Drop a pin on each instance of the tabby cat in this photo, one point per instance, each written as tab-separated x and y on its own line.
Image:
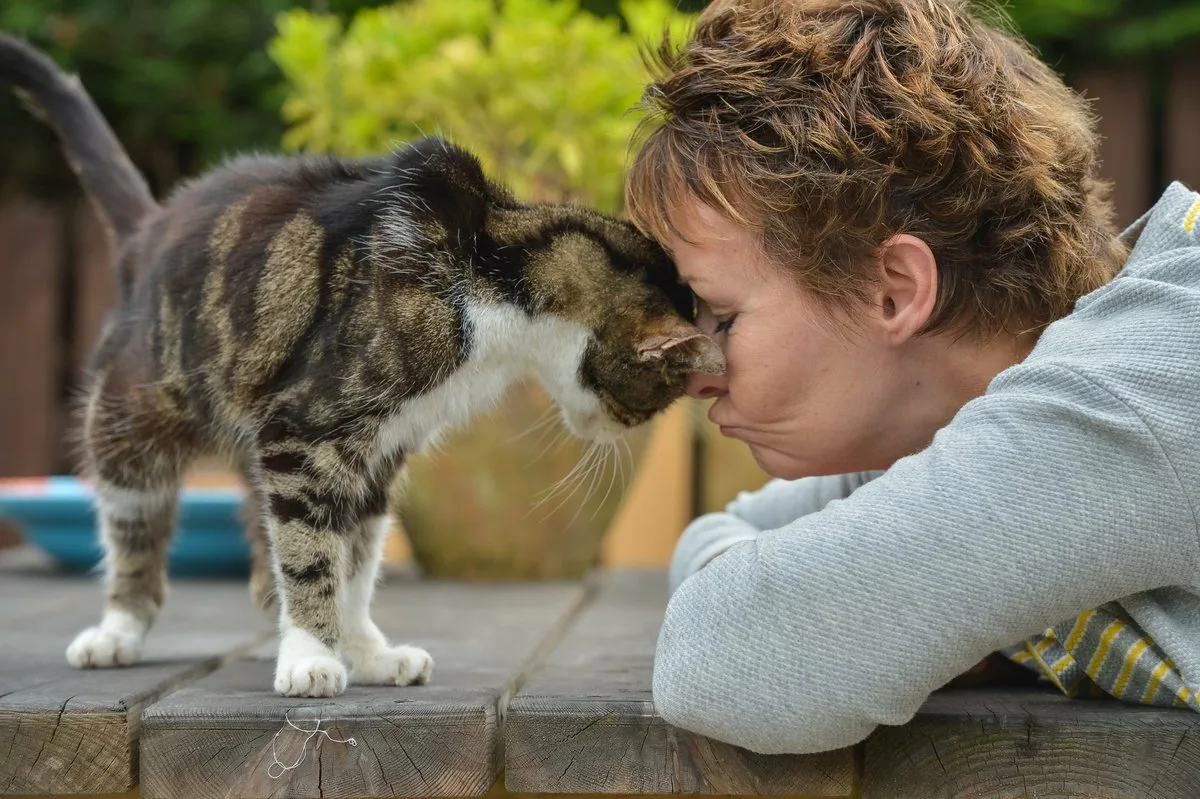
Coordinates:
318	320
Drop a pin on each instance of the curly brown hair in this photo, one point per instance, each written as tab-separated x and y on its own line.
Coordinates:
827	126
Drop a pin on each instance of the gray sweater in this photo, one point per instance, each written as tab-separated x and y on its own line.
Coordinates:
812	611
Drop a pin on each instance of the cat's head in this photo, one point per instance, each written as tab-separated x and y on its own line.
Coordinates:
622	292
614	338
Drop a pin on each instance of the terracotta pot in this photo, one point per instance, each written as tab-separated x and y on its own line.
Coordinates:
471	509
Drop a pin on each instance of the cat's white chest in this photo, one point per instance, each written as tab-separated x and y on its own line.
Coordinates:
469	391
505	345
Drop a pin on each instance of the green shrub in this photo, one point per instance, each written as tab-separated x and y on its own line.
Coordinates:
187	82
184	83
541	90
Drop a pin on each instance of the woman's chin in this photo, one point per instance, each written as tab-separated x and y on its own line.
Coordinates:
776	464
785	466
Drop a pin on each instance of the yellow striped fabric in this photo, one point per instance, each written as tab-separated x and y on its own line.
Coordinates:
1102	652
1189	219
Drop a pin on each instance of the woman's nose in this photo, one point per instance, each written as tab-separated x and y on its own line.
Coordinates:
706	386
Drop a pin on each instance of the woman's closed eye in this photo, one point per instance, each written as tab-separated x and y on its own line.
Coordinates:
723	325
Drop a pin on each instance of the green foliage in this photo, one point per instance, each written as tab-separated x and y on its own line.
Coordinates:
542	88
543	91
1071	33
183	82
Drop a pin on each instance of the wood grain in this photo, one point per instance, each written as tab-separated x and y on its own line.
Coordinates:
31	256
1183	120
1121	100
65	731
997	744
215	738
95	283
585	720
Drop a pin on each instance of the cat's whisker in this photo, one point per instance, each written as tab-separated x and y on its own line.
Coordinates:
556	443
617	470
555	431
562	482
588	459
574	479
626	480
546	417
596	469
585	464
556	436
608	451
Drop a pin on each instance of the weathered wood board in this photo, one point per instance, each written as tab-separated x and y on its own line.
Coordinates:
31	274
585	720
997	744
66	731
227	734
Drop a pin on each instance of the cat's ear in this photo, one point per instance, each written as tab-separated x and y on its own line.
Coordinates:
685	347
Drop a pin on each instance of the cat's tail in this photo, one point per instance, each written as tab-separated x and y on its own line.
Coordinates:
91	147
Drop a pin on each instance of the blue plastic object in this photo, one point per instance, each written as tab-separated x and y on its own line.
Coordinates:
56	514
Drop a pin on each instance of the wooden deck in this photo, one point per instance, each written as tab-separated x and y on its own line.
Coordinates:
540	688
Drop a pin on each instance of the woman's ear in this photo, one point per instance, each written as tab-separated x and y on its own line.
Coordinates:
907	290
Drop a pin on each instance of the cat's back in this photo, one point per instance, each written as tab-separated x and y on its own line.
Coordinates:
230	216
239	260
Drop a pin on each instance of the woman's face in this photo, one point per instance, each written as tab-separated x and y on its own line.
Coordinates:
809	393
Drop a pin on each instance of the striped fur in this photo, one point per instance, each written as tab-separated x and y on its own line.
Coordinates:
319	320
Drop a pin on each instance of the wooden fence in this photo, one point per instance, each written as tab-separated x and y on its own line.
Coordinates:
56	280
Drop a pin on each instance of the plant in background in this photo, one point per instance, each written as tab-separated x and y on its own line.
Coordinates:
1072	34
541	90
183	83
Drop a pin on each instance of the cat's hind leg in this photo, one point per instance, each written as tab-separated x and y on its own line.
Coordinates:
136	463
365	649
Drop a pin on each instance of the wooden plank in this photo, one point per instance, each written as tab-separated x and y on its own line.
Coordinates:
993	744
1121	95
31	250
66	731
1183	121
216	738
585	721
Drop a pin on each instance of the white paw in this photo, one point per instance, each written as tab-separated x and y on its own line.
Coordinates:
99	648
311	675
390	665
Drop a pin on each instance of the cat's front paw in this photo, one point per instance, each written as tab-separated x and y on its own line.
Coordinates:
100	648
310	675
389	665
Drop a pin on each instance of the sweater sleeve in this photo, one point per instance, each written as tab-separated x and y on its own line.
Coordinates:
1042	498
774	505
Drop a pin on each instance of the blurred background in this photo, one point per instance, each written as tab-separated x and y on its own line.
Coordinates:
542	90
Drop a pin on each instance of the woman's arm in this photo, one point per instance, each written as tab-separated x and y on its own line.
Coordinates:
1041	499
774	505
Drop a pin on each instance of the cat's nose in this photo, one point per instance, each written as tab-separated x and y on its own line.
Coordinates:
706	386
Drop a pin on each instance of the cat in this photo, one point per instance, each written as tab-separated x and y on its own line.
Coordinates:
318	320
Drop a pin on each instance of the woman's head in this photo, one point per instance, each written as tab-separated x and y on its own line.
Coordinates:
887	186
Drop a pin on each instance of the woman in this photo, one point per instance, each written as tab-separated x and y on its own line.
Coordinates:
980	402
